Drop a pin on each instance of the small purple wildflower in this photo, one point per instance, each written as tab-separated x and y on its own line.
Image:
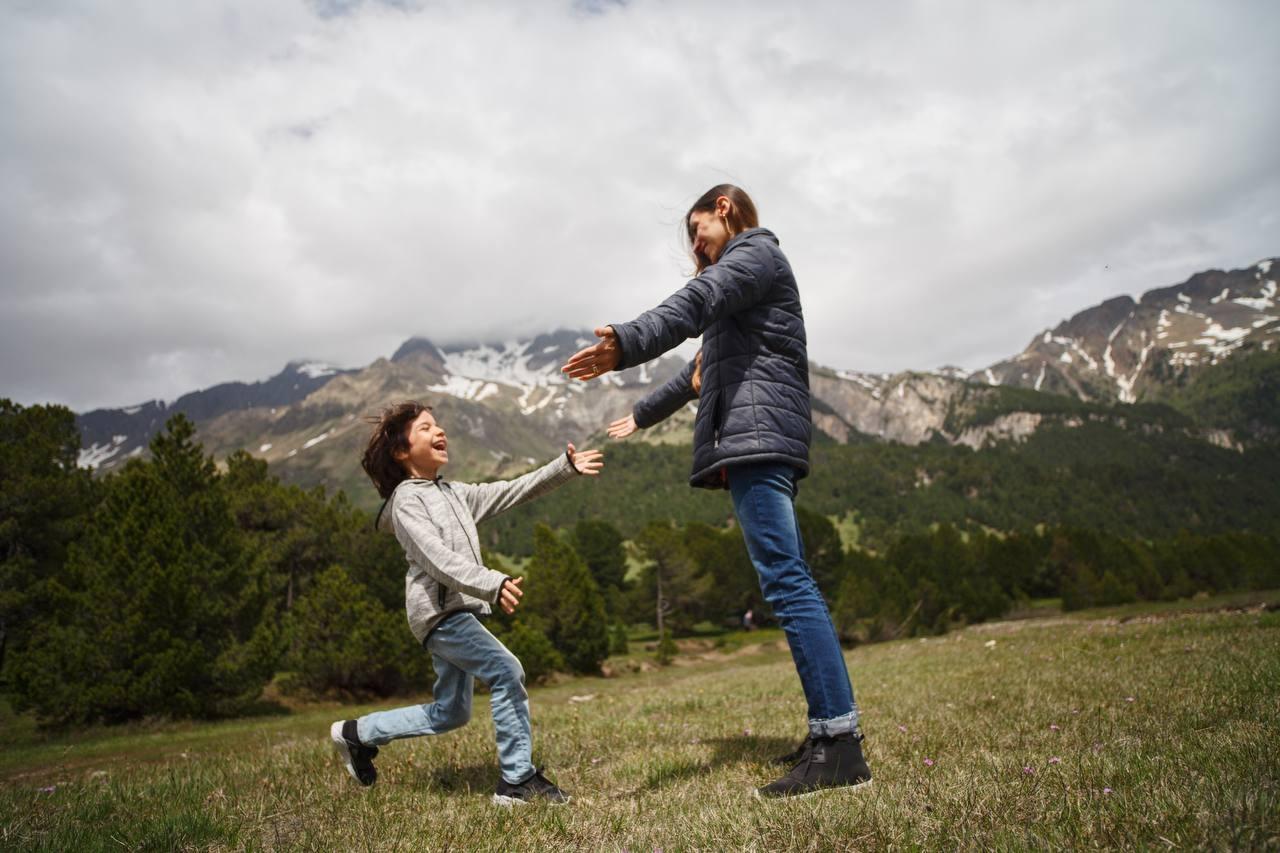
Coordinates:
1106	790
928	762
1030	771
1053	727
1055	760
1129	699
48	790
902	728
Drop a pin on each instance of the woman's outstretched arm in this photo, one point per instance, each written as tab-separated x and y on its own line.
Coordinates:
738	280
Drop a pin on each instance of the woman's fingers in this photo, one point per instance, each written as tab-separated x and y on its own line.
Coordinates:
589	362
583	364
622	427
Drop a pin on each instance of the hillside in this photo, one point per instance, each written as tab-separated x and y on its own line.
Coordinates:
1049	733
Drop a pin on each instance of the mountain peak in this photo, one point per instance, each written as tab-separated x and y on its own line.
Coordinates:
418	345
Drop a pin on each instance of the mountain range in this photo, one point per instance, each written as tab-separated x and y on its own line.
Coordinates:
512	407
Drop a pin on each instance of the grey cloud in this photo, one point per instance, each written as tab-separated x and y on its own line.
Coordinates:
197	193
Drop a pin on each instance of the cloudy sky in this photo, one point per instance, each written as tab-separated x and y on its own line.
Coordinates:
198	192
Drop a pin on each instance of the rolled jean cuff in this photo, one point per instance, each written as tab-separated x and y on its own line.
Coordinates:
842	725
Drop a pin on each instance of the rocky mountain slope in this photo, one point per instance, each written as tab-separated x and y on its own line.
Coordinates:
1129	351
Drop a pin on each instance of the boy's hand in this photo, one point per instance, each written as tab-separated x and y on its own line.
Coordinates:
510	595
622	427
586	461
696	379
590	362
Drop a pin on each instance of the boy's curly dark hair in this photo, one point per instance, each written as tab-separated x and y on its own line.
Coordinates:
390	436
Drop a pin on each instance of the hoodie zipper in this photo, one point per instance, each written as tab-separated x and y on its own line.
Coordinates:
457	518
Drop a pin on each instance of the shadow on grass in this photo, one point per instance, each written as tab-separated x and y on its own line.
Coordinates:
469	780
747	749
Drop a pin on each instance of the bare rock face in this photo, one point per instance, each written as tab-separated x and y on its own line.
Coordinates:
1016	426
905	407
1125	351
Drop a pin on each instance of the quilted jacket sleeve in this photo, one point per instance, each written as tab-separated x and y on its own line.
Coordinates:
666	400
741	278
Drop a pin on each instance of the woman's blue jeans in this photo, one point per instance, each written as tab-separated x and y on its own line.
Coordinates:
463	650
764	501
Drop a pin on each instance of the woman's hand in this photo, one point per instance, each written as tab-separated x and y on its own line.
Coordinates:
622	427
586	461
510	595
598	358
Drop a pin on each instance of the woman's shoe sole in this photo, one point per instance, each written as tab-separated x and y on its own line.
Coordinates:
815	792
511	802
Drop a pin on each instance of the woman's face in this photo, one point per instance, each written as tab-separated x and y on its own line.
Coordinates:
708	233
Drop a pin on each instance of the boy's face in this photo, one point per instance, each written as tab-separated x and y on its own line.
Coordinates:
428	447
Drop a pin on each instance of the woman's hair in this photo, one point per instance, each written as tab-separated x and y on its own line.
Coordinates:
741	216
390	436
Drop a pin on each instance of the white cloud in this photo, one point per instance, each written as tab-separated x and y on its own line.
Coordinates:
197	192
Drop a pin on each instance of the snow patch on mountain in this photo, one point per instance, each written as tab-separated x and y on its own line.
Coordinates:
465	389
316	369
1220	341
312	442
1262	303
93	457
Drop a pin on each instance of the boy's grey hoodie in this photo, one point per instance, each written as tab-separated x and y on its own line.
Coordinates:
435	522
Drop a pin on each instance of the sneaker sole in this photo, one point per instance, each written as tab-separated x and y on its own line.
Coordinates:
344	751
512	802
860	786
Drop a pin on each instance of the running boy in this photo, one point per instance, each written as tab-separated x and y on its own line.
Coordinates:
445	589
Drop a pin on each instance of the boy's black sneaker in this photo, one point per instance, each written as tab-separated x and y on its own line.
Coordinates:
831	762
792	758
537	788
357	757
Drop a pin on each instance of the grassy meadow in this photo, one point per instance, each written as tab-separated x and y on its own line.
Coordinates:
1156	726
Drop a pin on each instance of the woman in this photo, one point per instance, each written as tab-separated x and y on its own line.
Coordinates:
751	436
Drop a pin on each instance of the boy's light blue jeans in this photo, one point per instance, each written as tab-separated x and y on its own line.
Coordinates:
463	650
764	502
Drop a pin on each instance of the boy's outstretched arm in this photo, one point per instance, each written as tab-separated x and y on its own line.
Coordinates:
488	499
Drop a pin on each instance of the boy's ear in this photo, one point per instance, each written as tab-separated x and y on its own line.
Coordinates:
399	455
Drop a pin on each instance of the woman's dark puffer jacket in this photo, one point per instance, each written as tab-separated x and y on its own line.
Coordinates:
754	404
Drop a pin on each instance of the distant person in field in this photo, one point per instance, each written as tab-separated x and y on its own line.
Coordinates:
446	588
751	436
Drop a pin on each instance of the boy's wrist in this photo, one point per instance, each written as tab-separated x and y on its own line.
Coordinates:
497	596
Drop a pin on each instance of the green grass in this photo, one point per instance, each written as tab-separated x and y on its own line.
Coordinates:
1167	734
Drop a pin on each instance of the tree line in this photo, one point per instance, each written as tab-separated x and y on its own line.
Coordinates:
175	587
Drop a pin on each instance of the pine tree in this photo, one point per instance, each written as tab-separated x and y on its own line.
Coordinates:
44	497
599	544
563	596
167	604
342	639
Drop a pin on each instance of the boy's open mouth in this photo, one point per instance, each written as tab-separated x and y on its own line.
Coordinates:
440	445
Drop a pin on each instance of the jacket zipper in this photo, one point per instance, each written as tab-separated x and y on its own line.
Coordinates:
457	518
